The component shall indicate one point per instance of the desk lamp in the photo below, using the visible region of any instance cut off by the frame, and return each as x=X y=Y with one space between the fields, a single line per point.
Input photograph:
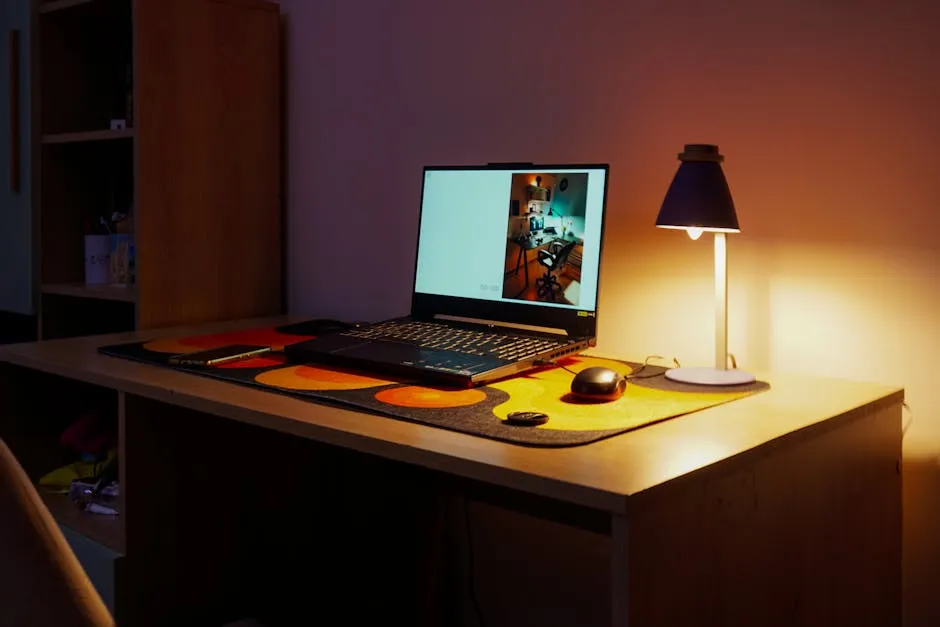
x=699 y=200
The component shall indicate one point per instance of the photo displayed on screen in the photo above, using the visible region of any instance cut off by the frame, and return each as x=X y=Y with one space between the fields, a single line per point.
x=545 y=237
x=515 y=235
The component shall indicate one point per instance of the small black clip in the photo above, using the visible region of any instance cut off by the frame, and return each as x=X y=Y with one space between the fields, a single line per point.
x=526 y=418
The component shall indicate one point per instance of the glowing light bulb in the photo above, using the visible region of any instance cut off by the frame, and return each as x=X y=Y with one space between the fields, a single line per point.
x=694 y=232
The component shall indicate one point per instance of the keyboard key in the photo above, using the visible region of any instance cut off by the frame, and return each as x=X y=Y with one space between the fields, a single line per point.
x=444 y=337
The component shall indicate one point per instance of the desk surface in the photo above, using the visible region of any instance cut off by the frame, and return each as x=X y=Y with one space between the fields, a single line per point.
x=603 y=475
x=542 y=238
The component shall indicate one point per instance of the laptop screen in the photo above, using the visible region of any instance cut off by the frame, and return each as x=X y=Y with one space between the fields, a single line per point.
x=519 y=241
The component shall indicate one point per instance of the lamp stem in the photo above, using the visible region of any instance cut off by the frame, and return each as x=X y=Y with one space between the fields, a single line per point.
x=721 y=302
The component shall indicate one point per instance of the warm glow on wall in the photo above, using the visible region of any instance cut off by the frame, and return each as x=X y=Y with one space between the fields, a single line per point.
x=828 y=112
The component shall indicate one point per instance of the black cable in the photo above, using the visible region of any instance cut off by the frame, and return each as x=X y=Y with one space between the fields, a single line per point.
x=633 y=375
x=471 y=565
x=550 y=362
x=636 y=375
x=910 y=419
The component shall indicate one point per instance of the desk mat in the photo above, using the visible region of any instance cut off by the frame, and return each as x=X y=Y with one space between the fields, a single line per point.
x=478 y=411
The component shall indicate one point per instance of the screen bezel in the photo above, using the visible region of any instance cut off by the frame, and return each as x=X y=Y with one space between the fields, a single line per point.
x=575 y=322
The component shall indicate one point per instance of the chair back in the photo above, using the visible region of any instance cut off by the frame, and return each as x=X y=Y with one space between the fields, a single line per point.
x=41 y=581
x=562 y=256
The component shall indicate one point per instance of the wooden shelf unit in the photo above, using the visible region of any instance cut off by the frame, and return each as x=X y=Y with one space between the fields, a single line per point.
x=197 y=83
x=32 y=428
x=197 y=166
x=105 y=530
x=48 y=6
x=87 y=136
x=79 y=289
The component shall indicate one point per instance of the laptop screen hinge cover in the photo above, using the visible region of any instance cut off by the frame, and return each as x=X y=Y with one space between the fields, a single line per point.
x=502 y=325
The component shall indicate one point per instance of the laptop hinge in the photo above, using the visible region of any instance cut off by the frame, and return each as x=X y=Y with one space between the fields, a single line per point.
x=502 y=325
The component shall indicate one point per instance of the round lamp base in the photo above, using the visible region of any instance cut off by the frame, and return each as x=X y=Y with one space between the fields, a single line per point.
x=709 y=376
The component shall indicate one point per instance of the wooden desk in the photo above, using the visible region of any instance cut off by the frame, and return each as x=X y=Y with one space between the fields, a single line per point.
x=783 y=508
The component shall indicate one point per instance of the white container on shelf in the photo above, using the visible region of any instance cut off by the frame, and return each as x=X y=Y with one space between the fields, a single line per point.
x=97 y=259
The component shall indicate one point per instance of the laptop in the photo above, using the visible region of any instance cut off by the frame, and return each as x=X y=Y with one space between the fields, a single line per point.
x=506 y=277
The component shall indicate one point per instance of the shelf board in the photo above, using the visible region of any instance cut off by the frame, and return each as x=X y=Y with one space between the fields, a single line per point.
x=100 y=292
x=106 y=530
x=56 y=5
x=87 y=136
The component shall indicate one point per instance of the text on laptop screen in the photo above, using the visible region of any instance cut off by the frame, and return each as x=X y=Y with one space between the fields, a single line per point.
x=529 y=236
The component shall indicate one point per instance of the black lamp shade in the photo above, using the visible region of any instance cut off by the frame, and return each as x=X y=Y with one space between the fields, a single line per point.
x=699 y=196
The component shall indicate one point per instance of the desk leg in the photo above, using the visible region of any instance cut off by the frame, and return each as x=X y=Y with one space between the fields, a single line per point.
x=227 y=521
x=619 y=590
x=185 y=515
x=515 y=271
x=525 y=265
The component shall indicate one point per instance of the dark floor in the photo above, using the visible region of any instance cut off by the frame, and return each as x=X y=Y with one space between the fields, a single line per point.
x=17 y=328
x=514 y=284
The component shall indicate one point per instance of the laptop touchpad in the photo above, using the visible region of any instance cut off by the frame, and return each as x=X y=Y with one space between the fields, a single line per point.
x=408 y=355
x=387 y=351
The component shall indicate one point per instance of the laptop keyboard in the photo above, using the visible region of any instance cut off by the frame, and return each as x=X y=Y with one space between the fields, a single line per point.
x=444 y=337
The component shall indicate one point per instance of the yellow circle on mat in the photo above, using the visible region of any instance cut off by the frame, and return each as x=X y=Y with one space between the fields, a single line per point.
x=313 y=378
x=548 y=391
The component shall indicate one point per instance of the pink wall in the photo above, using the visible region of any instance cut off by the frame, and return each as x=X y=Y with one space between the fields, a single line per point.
x=829 y=114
